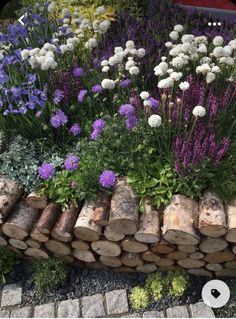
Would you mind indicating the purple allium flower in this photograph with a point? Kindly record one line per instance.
(95, 134)
(97, 88)
(22, 110)
(75, 129)
(58, 119)
(98, 124)
(81, 95)
(107, 179)
(31, 78)
(78, 72)
(126, 109)
(131, 122)
(3, 77)
(58, 96)
(125, 83)
(46, 170)
(155, 103)
(71, 163)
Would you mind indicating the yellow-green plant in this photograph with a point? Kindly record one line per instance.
(179, 284)
(154, 285)
(139, 298)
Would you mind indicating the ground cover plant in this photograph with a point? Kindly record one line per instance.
(7, 260)
(95, 91)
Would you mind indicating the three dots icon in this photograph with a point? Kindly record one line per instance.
(214, 24)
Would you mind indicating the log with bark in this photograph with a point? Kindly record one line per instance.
(179, 220)
(80, 245)
(17, 243)
(163, 247)
(110, 261)
(97, 265)
(149, 226)
(187, 248)
(58, 247)
(146, 268)
(10, 192)
(226, 273)
(191, 263)
(36, 200)
(124, 209)
(214, 267)
(20, 221)
(212, 219)
(37, 236)
(102, 209)
(3, 241)
(48, 218)
(111, 235)
(230, 264)
(131, 245)
(131, 259)
(176, 255)
(36, 253)
(150, 256)
(219, 257)
(85, 228)
(165, 262)
(200, 272)
(106, 248)
(84, 255)
(212, 245)
(231, 215)
(234, 249)
(196, 255)
(63, 230)
(33, 244)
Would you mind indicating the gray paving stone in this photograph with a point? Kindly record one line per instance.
(153, 314)
(4, 313)
(68, 309)
(201, 310)
(92, 306)
(11, 295)
(25, 312)
(177, 312)
(132, 315)
(45, 311)
(116, 302)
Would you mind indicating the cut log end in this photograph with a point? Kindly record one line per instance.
(57, 247)
(106, 248)
(36, 200)
(36, 253)
(110, 261)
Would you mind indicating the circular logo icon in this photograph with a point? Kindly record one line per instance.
(215, 293)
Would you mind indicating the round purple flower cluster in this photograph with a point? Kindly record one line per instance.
(59, 119)
(75, 129)
(107, 179)
(97, 88)
(97, 126)
(81, 95)
(46, 170)
(78, 72)
(125, 83)
(128, 111)
(71, 163)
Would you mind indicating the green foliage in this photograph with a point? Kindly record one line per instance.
(154, 285)
(47, 273)
(139, 298)
(177, 282)
(4, 139)
(7, 260)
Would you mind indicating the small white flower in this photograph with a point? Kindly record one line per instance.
(202, 48)
(165, 83)
(210, 77)
(147, 103)
(130, 45)
(108, 84)
(104, 63)
(144, 95)
(174, 35)
(199, 111)
(176, 75)
(154, 120)
(25, 54)
(228, 50)
(141, 53)
(215, 69)
(134, 51)
(104, 25)
(184, 86)
(101, 10)
(134, 70)
(229, 60)
(178, 28)
(177, 62)
(163, 58)
(105, 68)
(187, 38)
(118, 49)
(218, 52)
(112, 61)
(52, 7)
(218, 41)
(169, 44)
(232, 43)
(129, 64)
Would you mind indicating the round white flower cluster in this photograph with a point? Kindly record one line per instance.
(209, 59)
(108, 84)
(145, 97)
(199, 111)
(154, 120)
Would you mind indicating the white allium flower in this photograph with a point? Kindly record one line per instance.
(154, 120)
(232, 43)
(112, 61)
(66, 20)
(210, 77)
(130, 45)
(108, 84)
(163, 58)
(52, 7)
(184, 86)
(101, 10)
(169, 44)
(70, 46)
(119, 56)
(141, 53)
(25, 54)
(177, 62)
(175, 51)
(126, 51)
(187, 38)
(65, 12)
(104, 25)
(199, 111)
(204, 68)
(229, 60)
(144, 95)
(193, 57)
(174, 35)
(147, 103)
(218, 41)
(118, 49)
(215, 69)
(129, 64)
(171, 71)
(201, 39)
(105, 68)
(176, 75)
(165, 83)
(92, 42)
(178, 28)
(228, 50)
(205, 59)
(34, 51)
(134, 51)
(134, 70)
(202, 48)
(218, 52)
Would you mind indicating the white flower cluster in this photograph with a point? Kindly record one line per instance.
(145, 97)
(195, 50)
(124, 58)
(154, 120)
(199, 111)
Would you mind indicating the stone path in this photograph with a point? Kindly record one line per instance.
(111, 304)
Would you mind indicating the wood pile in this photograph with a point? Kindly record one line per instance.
(110, 233)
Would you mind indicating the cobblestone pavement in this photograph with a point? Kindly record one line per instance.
(110, 304)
